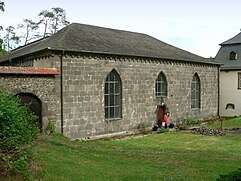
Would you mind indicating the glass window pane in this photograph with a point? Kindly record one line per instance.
(117, 88)
(117, 111)
(106, 88)
(112, 76)
(113, 96)
(195, 92)
(111, 100)
(106, 113)
(106, 100)
(112, 115)
(161, 85)
(111, 88)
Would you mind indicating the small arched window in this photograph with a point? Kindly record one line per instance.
(161, 85)
(113, 95)
(195, 92)
(233, 55)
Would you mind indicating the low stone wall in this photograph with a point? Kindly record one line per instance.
(39, 82)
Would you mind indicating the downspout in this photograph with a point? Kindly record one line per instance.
(218, 90)
(61, 93)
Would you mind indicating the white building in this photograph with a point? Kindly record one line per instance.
(229, 55)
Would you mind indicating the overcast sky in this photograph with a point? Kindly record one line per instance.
(196, 26)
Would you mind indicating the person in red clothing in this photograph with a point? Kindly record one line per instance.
(165, 120)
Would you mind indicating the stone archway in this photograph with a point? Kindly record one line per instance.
(35, 105)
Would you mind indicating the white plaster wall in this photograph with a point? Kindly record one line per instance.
(229, 93)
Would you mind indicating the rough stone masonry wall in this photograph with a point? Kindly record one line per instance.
(84, 78)
(41, 86)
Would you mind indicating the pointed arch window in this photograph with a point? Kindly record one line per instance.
(233, 55)
(161, 85)
(113, 95)
(195, 92)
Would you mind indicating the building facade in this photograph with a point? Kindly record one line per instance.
(112, 80)
(229, 55)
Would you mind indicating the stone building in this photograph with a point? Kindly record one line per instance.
(112, 80)
(229, 55)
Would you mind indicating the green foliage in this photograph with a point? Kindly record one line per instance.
(50, 128)
(163, 130)
(144, 126)
(2, 51)
(17, 131)
(234, 176)
(188, 122)
(11, 40)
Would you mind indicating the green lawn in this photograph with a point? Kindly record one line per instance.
(227, 123)
(165, 156)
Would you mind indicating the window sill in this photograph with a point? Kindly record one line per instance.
(161, 96)
(195, 109)
(112, 119)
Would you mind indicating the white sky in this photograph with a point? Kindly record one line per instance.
(196, 26)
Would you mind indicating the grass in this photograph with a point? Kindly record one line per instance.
(166, 156)
(227, 123)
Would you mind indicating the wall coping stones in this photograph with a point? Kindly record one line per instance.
(28, 70)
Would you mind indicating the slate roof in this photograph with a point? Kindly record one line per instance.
(92, 39)
(235, 40)
(223, 55)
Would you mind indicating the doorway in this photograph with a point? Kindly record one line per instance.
(34, 104)
(160, 115)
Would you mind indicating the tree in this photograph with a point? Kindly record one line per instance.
(31, 32)
(52, 20)
(45, 19)
(59, 19)
(2, 51)
(2, 6)
(49, 22)
(11, 40)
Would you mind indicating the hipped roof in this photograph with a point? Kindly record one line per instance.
(93, 39)
(234, 40)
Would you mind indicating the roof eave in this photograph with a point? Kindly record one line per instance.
(109, 54)
(226, 44)
(9, 58)
(138, 56)
(230, 68)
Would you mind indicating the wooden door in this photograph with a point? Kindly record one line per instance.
(160, 115)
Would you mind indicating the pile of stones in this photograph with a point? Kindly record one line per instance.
(208, 131)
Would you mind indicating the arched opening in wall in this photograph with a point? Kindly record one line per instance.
(35, 105)
(160, 112)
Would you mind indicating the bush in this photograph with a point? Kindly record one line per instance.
(17, 132)
(188, 122)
